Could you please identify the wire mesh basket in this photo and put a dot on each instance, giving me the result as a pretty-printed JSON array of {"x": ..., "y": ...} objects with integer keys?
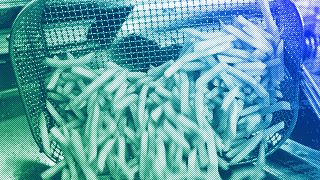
[{"x": 140, "y": 33}]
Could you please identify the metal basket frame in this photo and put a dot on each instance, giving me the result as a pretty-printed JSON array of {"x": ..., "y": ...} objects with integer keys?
[{"x": 28, "y": 48}]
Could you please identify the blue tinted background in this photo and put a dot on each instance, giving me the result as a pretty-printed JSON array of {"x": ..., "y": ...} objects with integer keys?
[{"x": 307, "y": 129}]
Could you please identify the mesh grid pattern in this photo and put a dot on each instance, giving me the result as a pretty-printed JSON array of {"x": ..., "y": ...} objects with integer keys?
[{"x": 150, "y": 36}]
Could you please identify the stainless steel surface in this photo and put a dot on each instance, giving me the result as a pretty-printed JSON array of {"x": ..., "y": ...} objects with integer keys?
[
  {"x": 311, "y": 85},
  {"x": 10, "y": 104},
  {"x": 305, "y": 153},
  {"x": 287, "y": 166},
  {"x": 7, "y": 78},
  {"x": 4, "y": 43},
  {"x": 19, "y": 155},
  {"x": 9, "y": 10},
  {"x": 37, "y": 33}
]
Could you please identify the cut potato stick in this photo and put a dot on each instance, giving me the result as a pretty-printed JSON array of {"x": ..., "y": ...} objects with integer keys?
[
  {"x": 121, "y": 149},
  {"x": 98, "y": 82},
  {"x": 226, "y": 80},
  {"x": 230, "y": 59},
  {"x": 58, "y": 136},
  {"x": 257, "y": 35},
  {"x": 54, "y": 79},
  {"x": 68, "y": 88},
  {"x": 74, "y": 124},
  {"x": 258, "y": 55},
  {"x": 131, "y": 136},
  {"x": 156, "y": 113},
  {"x": 251, "y": 145},
  {"x": 84, "y": 73},
  {"x": 159, "y": 82},
  {"x": 104, "y": 152},
  {"x": 125, "y": 102},
  {"x": 113, "y": 169},
  {"x": 112, "y": 86},
  {"x": 268, "y": 119},
  {"x": 210, "y": 60},
  {"x": 70, "y": 162},
  {"x": 175, "y": 136},
  {"x": 189, "y": 175},
  {"x": 134, "y": 76},
  {"x": 247, "y": 39},
  {"x": 203, "y": 80},
  {"x": 273, "y": 29},
  {"x": 214, "y": 92},
  {"x": 250, "y": 122},
  {"x": 161, "y": 91},
  {"x": 223, "y": 164},
  {"x": 68, "y": 76},
  {"x": 194, "y": 66},
  {"x": 106, "y": 134},
  {"x": 281, "y": 105},
  {"x": 60, "y": 121},
  {"x": 44, "y": 134},
  {"x": 93, "y": 145},
  {"x": 143, "y": 153},
  {"x": 257, "y": 72},
  {"x": 211, "y": 43},
  {"x": 212, "y": 152},
  {"x": 248, "y": 66},
  {"x": 188, "y": 48},
  {"x": 279, "y": 50},
  {"x": 199, "y": 103},
  {"x": 80, "y": 154},
  {"x": 239, "y": 54},
  {"x": 56, "y": 96},
  {"x": 176, "y": 94},
  {"x": 156, "y": 98},
  {"x": 134, "y": 113},
  {"x": 232, "y": 94},
  {"x": 193, "y": 56},
  {"x": 261, "y": 161},
  {"x": 159, "y": 70},
  {"x": 203, "y": 155},
  {"x": 120, "y": 93},
  {"x": 125, "y": 169},
  {"x": 185, "y": 123},
  {"x": 133, "y": 162},
  {"x": 179, "y": 159},
  {"x": 90, "y": 107},
  {"x": 273, "y": 129},
  {"x": 192, "y": 160},
  {"x": 254, "y": 27},
  {"x": 101, "y": 100},
  {"x": 260, "y": 90},
  {"x": 141, "y": 107},
  {"x": 143, "y": 81},
  {"x": 65, "y": 175},
  {"x": 52, "y": 171},
  {"x": 231, "y": 129}
]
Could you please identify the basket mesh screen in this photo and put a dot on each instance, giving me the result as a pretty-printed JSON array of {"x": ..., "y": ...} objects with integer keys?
[{"x": 138, "y": 33}]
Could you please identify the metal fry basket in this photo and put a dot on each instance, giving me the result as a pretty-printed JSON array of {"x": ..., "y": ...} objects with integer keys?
[{"x": 140, "y": 33}]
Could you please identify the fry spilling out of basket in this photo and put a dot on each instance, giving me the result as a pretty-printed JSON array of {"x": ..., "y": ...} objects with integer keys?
[{"x": 183, "y": 119}]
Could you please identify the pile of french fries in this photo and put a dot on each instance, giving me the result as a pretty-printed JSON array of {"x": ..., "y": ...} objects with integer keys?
[{"x": 184, "y": 119}]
